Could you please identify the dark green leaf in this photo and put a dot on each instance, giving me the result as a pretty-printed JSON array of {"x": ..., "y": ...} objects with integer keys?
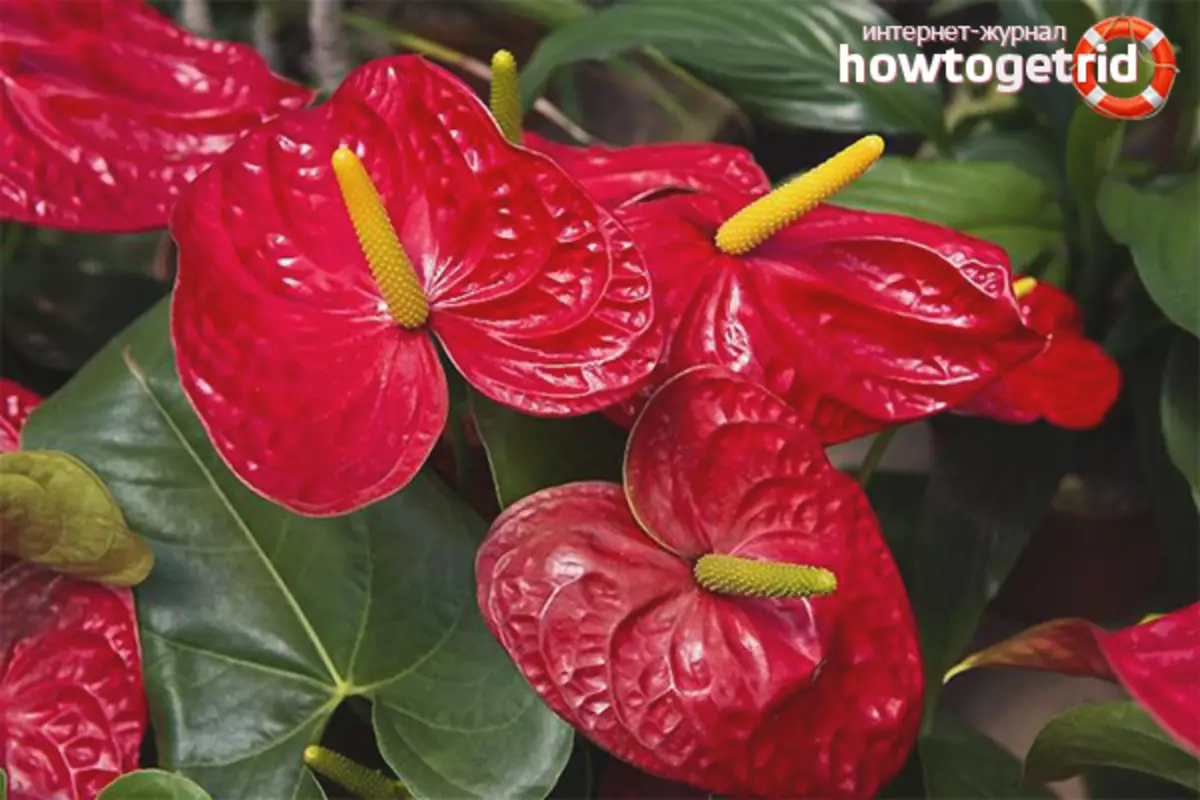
[
  {"x": 1093, "y": 142},
  {"x": 1025, "y": 149},
  {"x": 961, "y": 763},
  {"x": 1114, "y": 734},
  {"x": 896, "y": 500},
  {"x": 1157, "y": 225},
  {"x": 153, "y": 784},
  {"x": 528, "y": 454},
  {"x": 992, "y": 200},
  {"x": 1181, "y": 408},
  {"x": 258, "y": 623},
  {"x": 990, "y": 487},
  {"x": 777, "y": 58},
  {"x": 65, "y": 295}
]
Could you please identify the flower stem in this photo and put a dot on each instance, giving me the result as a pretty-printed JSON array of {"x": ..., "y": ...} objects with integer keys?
[
  {"x": 875, "y": 455},
  {"x": 368, "y": 784}
]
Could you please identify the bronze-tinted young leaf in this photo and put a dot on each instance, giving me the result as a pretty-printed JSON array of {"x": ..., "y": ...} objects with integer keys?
[
  {"x": 56, "y": 512},
  {"x": 1117, "y": 734}
]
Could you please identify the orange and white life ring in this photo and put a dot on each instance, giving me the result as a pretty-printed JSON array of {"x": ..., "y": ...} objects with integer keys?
[{"x": 1152, "y": 98}]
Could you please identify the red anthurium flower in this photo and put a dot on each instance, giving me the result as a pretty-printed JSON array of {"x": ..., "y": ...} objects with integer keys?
[
  {"x": 1157, "y": 661},
  {"x": 72, "y": 711},
  {"x": 616, "y": 176},
  {"x": 1072, "y": 384},
  {"x": 15, "y": 404},
  {"x": 858, "y": 320},
  {"x": 730, "y": 618},
  {"x": 313, "y": 366},
  {"x": 109, "y": 109}
]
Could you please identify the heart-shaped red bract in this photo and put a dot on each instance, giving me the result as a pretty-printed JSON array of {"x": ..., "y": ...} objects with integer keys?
[
  {"x": 858, "y": 320},
  {"x": 72, "y": 710},
  {"x": 109, "y": 110},
  {"x": 590, "y": 589},
  {"x": 15, "y": 404},
  {"x": 615, "y": 176},
  {"x": 284, "y": 344},
  {"x": 1157, "y": 661},
  {"x": 1072, "y": 384}
]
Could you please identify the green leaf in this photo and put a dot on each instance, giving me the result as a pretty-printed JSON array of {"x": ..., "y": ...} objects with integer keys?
[
  {"x": 1181, "y": 409},
  {"x": 528, "y": 454},
  {"x": 153, "y": 784},
  {"x": 1025, "y": 149},
  {"x": 1114, "y": 734},
  {"x": 1093, "y": 143},
  {"x": 961, "y": 763},
  {"x": 1156, "y": 224},
  {"x": 56, "y": 512},
  {"x": 777, "y": 58},
  {"x": 994, "y": 201},
  {"x": 257, "y": 623},
  {"x": 989, "y": 489},
  {"x": 66, "y": 294}
]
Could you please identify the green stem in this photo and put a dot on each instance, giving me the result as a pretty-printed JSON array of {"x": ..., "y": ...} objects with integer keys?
[{"x": 875, "y": 455}]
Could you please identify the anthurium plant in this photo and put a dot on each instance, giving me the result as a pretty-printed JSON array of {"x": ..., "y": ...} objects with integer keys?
[{"x": 381, "y": 418}]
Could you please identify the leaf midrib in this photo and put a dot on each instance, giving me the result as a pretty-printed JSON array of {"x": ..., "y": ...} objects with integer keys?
[{"x": 139, "y": 375}]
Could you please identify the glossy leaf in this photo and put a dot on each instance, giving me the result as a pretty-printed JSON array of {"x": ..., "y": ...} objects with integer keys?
[
  {"x": 859, "y": 320},
  {"x": 777, "y": 58},
  {"x": 961, "y": 763},
  {"x": 1115, "y": 734},
  {"x": 998, "y": 202},
  {"x": 1149, "y": 222},
  {"x": 67, "y": 294},
  {"x": 528, "y": 454},
  {"x": 590, "y": 589},
  {"x": 258, "y": 623},
  {"x": 153, "y": 784},
  {"x": 991, "y": 486},
  {"x": 1155, "y": 660},
  {"x": 111, "y": 109},
  {"x": 285, "y": 345},
  {"x": 56, "y": 512},
  {"x": 1181, "y": 409},
  {"x": 72, "y": 710}
]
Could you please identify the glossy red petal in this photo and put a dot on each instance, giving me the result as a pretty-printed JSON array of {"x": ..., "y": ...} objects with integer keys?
[
  {"x": 615, "y": 176},
  {"x": 602, "y": 360},
  {"x": 1072, "y": 384},
  {"x": 109, "y": 110},
  {"x": 72, "y": 710},
  {"x": 16, "y": 402},
  {"x": 1158, "y": 662},
  {"x": 859, "y": 320},
  {"x": 773, "y": 698}
]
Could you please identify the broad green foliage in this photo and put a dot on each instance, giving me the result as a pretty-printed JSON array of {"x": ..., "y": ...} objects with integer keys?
[
  {"x": 528, "y": 454},
  {"x": 1114, "y": 734},
  {"x": 153, "y": 784},
  {"x": 258, "y": 623},
  {"x": 961, "y": 763},
  {"x": 992, "y": 200},
  {"x": 776, "y": 58},
  {"x": 1157, "y": 224}
]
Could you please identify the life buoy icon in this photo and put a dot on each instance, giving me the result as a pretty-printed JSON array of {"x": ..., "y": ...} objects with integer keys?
[{"x": 1152, "y": 98}]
